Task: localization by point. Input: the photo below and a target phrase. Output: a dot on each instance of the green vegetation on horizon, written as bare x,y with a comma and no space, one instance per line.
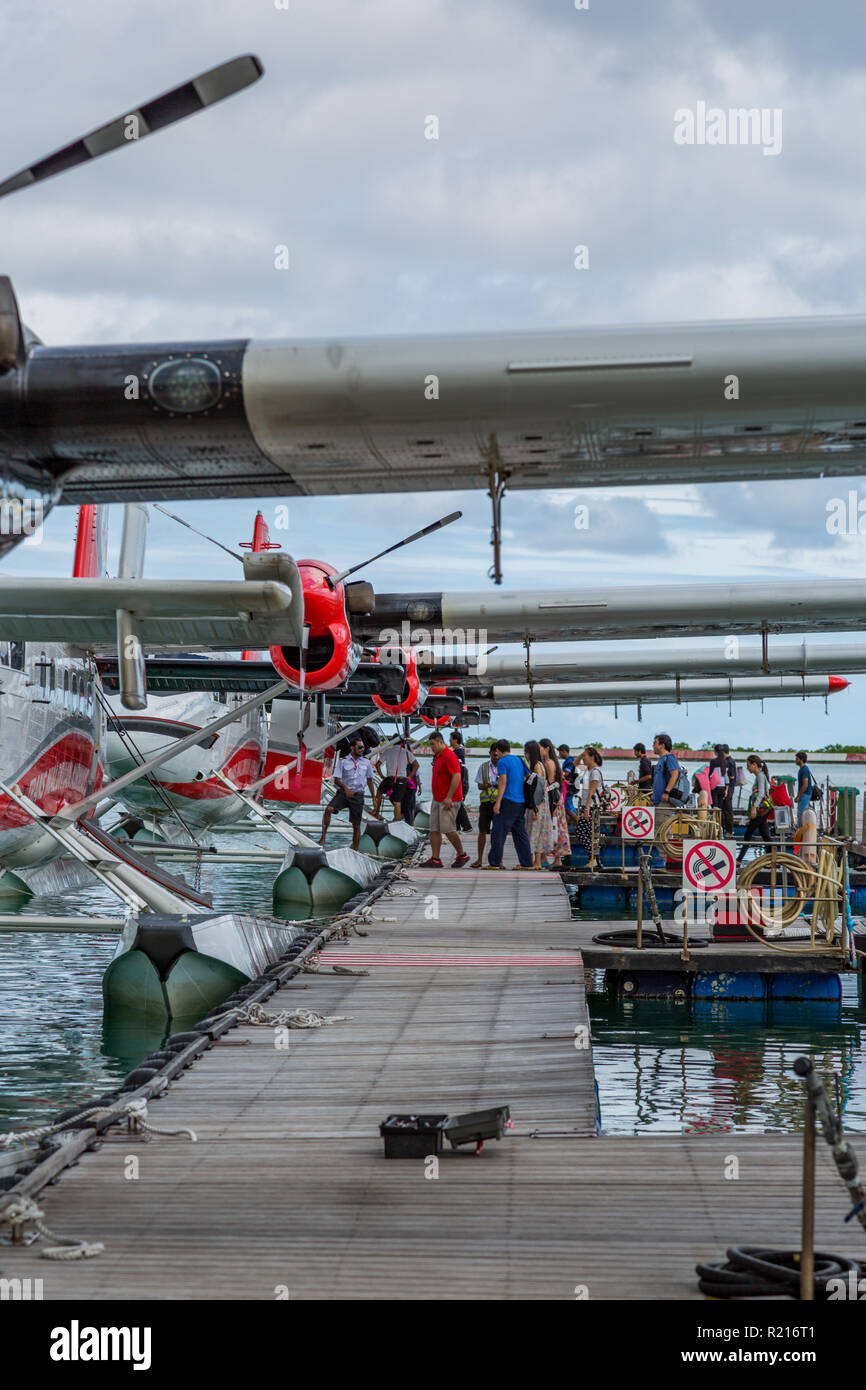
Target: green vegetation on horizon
473,741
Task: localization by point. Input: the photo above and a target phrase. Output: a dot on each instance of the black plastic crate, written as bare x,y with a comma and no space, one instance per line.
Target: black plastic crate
413,1136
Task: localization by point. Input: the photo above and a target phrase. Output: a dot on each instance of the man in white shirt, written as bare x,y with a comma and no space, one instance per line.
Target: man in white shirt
397,764
351,775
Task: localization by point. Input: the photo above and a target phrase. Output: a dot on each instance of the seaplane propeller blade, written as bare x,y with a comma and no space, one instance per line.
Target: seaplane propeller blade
204,535
209,87
336,579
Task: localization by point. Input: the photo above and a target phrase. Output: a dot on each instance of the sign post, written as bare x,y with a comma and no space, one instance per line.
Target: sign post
639,823
709,868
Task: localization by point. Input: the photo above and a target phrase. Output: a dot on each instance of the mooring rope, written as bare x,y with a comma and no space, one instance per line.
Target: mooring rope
134,1110
286,1018
23,1208
67,1248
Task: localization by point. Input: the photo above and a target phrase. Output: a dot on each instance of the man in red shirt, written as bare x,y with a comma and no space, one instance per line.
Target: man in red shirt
446,786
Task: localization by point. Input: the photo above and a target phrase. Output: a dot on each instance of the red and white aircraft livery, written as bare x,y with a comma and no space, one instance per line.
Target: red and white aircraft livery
189,783
52,728
51,743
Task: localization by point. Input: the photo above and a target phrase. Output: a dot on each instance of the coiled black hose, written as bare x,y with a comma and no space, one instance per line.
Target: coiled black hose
628,937
752,1271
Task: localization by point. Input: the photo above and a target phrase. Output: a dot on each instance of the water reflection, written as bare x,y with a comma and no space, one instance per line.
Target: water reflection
716,1066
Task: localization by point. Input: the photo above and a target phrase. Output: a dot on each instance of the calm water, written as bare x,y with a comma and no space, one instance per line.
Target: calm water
56,1049
713,1067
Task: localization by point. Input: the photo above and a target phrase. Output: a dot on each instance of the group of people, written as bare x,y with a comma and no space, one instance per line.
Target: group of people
714,786
531,797
536,796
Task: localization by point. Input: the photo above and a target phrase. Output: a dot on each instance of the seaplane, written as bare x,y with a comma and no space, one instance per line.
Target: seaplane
653,404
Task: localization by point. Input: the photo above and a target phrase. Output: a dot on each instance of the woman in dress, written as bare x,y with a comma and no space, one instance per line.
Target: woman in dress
556,795
590,801
542,836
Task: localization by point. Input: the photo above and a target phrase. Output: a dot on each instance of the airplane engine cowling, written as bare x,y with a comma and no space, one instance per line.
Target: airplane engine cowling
414,692
445,718
332,653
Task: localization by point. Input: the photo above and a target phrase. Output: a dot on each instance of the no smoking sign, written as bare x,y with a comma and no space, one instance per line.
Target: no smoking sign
639,823
709,866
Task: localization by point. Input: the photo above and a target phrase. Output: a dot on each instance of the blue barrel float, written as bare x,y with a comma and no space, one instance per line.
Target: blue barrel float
729,984
808,986
714,986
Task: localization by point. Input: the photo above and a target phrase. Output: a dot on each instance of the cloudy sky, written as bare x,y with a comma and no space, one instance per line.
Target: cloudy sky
555,129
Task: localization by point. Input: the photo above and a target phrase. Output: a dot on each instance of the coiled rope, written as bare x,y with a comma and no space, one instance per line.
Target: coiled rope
286,1018
67,1248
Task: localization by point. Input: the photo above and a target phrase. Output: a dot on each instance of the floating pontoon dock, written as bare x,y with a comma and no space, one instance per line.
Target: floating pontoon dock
474,998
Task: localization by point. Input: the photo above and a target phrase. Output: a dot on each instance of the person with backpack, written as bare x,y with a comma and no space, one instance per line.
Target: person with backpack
540,824
486,782
668,792
569,773
805,784
509,808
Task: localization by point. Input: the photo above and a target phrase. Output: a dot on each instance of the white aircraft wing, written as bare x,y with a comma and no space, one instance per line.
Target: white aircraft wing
691,402
173,613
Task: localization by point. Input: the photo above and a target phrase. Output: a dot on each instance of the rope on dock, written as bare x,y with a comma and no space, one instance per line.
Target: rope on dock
134,1110
287,1018
138,1121
67,1248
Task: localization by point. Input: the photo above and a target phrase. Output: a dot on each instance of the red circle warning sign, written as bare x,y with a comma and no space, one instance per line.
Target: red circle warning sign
614,799
709,865
638,823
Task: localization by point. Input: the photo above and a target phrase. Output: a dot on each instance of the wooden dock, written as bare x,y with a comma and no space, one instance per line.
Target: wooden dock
474,992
